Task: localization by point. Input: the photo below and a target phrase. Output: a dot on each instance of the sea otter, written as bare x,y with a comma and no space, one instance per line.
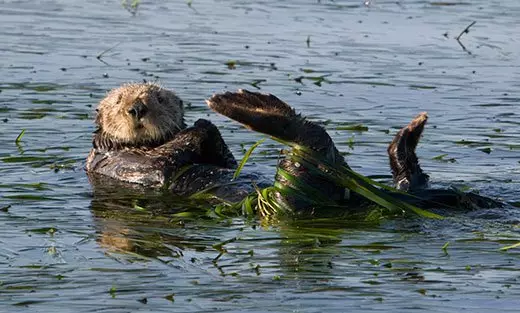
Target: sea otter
141,138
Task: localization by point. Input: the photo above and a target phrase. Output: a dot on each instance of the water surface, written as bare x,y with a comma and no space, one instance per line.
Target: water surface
65,248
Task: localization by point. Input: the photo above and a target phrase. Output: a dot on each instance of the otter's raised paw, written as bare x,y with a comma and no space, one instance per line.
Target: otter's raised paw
404,163
260,112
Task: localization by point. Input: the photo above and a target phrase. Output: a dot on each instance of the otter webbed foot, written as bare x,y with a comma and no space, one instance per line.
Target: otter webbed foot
267,114
406,171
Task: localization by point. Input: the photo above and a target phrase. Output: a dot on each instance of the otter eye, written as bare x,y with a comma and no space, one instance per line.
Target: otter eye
132,111
138,110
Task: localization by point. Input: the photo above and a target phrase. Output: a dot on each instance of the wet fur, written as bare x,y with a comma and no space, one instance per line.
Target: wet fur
154,155
406,171
142,139
267,114
117,128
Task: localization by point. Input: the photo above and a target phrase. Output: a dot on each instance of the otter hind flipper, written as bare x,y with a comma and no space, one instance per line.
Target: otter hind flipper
267,114
406,171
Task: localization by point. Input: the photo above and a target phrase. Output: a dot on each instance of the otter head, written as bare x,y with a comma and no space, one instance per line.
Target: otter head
138,115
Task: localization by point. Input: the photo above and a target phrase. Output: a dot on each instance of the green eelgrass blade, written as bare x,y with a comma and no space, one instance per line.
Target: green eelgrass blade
369,184
246,157
356,182
266,204
302,188
376,195
516,245
19,138
247,207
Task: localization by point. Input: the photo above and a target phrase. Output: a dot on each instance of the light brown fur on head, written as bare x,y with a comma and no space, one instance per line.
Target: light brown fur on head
138,114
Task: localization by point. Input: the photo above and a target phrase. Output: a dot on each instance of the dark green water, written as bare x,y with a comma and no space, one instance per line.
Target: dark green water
64,249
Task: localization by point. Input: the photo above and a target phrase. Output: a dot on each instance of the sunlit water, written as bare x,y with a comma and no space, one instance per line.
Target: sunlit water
64,249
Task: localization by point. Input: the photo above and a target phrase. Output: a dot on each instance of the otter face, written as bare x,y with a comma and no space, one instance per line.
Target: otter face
140,115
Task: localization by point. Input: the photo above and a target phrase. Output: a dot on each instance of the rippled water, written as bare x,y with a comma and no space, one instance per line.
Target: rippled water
65,248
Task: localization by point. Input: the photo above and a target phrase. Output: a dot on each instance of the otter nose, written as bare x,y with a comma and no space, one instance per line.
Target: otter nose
138,110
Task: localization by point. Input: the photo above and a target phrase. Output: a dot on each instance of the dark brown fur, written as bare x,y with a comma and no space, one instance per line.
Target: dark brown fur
406,171
267,114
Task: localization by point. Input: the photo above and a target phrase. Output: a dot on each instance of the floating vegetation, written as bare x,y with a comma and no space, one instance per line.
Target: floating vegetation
471,143
231,64
102,53
465,31
307,70
26,159
43,101
356,127
422,87
442,158
44,230
446,3
131,7
41,161
351,143
269,203
38,87
256,82
317,80
516,245
444,248
28,186
64,165
246,157
220,248
32,115
112,292
19,138
28,197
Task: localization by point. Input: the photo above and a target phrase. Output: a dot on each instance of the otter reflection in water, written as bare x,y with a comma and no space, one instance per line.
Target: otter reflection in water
142,139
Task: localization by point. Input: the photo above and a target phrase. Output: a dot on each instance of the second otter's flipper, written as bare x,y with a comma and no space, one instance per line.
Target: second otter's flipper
406,171
267,114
